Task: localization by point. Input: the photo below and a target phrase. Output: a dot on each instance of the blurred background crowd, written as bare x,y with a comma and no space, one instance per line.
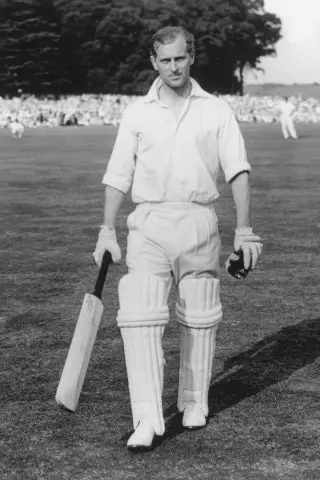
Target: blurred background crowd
89,110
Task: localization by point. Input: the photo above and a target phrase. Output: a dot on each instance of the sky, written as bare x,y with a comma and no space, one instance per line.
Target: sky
298,52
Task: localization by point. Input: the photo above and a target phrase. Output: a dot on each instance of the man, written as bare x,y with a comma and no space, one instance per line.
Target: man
16,128
169,147
286,119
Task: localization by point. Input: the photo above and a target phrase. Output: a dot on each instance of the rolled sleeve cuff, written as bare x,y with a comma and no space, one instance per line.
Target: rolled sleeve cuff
231,172
117,182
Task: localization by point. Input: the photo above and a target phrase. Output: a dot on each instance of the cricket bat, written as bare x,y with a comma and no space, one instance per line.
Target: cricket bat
77,361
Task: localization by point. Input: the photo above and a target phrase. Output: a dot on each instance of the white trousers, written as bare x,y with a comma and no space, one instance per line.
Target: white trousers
173,239
287,127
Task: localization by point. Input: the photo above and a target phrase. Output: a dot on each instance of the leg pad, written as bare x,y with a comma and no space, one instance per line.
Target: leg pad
144,362
196,358
142,317
143,301
199,313
198,304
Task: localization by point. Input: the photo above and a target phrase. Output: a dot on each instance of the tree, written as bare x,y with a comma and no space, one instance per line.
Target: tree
102,46
231,34
253,37
79,24
31,55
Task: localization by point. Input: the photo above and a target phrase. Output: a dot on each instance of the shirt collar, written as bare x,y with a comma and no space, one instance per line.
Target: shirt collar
153,96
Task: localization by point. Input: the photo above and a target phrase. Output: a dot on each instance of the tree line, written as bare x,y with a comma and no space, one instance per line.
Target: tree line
101,46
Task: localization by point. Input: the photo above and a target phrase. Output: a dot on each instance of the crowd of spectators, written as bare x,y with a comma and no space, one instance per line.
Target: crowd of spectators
88,110
267,109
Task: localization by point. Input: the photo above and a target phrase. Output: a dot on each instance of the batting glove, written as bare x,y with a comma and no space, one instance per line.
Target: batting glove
249,243
107,240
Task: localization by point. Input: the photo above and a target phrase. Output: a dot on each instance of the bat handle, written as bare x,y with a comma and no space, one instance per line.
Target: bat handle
107,259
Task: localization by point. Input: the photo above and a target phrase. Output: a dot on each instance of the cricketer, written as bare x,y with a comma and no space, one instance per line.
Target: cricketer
169,147
287,110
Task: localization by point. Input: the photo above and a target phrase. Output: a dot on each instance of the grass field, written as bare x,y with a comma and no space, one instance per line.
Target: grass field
264,401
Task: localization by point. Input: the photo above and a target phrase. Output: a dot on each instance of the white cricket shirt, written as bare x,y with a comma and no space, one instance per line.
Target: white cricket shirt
286,108
166,160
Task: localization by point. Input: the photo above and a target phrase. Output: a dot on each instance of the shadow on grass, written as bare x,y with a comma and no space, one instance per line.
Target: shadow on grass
272,360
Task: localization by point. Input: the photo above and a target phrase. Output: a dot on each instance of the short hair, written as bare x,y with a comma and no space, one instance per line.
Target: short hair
168,35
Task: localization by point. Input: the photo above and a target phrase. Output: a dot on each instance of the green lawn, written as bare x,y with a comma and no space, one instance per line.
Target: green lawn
264,400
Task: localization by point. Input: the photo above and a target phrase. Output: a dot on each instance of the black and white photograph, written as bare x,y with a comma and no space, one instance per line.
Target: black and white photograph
159,241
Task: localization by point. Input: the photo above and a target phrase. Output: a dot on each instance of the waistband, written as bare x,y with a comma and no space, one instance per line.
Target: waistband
175,205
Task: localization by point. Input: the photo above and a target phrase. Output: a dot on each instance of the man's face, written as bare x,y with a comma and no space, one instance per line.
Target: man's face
173,62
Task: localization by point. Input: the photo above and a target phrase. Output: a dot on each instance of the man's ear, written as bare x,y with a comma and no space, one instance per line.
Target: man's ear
192,56
154,63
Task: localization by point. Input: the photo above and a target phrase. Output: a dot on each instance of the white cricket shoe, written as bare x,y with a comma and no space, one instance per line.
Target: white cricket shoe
193,417
142,438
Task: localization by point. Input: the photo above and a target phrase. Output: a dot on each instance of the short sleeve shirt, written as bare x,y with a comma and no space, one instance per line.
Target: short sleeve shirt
165,160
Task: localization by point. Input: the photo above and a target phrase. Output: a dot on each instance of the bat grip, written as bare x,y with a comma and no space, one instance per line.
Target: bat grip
107,259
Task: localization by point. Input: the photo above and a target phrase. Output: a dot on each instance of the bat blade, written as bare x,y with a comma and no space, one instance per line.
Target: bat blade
77,361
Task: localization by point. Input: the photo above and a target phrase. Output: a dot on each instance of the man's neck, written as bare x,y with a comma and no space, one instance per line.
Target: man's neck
175,95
